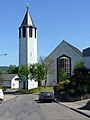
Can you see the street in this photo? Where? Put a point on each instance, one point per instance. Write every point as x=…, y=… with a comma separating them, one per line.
x=27, y=107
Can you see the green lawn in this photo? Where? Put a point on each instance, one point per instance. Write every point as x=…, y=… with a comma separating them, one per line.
x=37, y=90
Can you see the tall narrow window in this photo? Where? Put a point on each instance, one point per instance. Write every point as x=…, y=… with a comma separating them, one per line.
x=30, y=32
x=24, y=32
x=19, y=32
x=65, y=63
x=35, y=33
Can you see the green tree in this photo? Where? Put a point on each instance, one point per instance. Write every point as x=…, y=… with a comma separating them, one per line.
x=12, y=69
x=79, y=64
x=23, y=74
x=47, y=63
x=37, y=72
x=63, y=75
x=79, y=78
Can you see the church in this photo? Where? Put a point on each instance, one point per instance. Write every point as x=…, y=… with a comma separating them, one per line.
x=64, y=55
x=27, y=47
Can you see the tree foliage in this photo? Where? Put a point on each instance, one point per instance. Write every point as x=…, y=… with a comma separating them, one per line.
x=47, y=63
x=23, y=72
x=81, y=78
x=63, y=75
x=37, y=72
x=12, y=69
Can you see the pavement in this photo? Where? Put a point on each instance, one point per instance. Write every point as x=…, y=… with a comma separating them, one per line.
x=82, y=106
x=8, y=97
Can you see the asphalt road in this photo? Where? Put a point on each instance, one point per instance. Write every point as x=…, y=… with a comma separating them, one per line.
x=27, y=107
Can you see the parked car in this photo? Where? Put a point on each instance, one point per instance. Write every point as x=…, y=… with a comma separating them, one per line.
x=46, y=96
x=1, y=96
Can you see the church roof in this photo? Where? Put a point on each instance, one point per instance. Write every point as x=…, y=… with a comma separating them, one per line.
x=74, y=48
x=71, y=46
x=27, y=21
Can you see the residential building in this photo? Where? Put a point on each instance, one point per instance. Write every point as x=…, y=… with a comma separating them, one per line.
x=10, y=81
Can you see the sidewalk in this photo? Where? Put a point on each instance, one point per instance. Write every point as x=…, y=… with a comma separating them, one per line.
x=8, y=97
x=82, y=107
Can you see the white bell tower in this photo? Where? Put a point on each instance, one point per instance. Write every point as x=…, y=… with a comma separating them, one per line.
x=27, y=41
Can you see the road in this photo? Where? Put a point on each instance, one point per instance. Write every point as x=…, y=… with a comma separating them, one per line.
x=27, y=107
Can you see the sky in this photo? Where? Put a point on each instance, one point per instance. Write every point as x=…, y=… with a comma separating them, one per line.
x=56, y=20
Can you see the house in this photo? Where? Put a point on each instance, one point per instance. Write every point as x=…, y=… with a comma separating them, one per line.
x=10, y=81
x=64, y=56
x=86, y=57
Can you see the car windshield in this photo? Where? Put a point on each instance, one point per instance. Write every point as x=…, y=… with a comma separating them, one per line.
x=46, y=93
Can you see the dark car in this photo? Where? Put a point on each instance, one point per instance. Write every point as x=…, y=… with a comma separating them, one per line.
x=46, y=96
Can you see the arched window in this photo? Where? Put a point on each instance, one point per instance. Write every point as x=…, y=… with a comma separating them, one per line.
x=65, y=63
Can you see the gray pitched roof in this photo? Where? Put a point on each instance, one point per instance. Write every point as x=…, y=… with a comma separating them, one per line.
x=74, y=48
x=8, y=76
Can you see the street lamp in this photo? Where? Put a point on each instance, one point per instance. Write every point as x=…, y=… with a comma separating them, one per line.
x=2, y=54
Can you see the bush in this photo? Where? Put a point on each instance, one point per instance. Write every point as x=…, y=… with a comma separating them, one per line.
x=62, y=86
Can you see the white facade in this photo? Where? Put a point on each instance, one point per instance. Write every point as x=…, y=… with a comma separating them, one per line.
x=15, y=82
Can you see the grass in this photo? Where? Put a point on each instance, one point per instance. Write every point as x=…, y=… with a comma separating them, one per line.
x=36, y=90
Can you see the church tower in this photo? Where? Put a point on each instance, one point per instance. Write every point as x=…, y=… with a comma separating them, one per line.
x=27, y=41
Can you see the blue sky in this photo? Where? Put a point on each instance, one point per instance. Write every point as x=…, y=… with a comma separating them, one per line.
x=56, y=20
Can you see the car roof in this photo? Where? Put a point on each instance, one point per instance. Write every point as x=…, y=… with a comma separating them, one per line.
x=45, y=92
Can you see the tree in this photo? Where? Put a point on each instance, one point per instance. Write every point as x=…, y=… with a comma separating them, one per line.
x=79, y=78
x=63, y=75
x=12, y=69
x=79, y=64
x=37, y=72
x=23, y=74
x=47, y=63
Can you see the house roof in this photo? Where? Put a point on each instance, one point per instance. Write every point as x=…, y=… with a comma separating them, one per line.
x=8, y=76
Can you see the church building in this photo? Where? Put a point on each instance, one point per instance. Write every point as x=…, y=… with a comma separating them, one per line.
x=64, y=56
x=27, y=47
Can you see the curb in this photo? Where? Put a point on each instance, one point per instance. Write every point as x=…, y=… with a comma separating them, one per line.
x=76, y=110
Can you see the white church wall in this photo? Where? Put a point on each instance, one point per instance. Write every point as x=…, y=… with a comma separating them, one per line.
x=22, y=50
x=32, y=84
